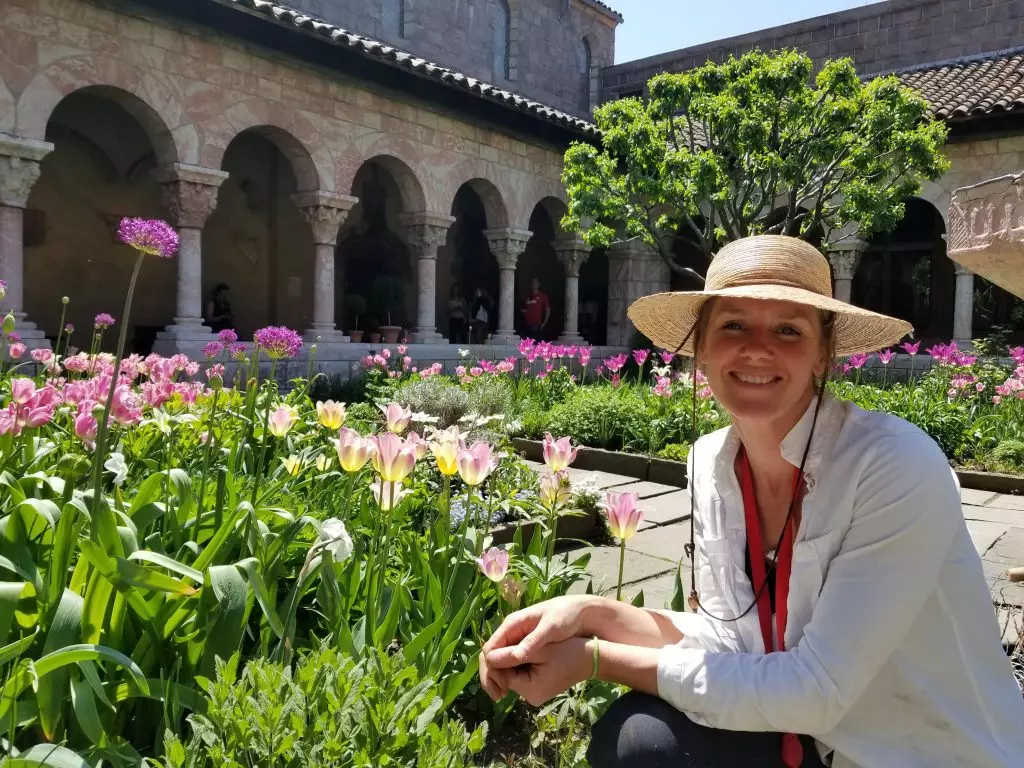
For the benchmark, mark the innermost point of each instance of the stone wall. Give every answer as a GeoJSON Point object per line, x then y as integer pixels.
{"type": "Point", "coordinates": [879, 37]}
{"type": "Point", "coordinates": [545, 56]}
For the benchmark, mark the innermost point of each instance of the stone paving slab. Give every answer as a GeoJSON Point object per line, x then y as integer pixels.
{"type": "Point", "coordinates": [1008, 517]}
{"type": "Point", "coordinates": [604, 569]}
{"type": "Point", "coordinates": [985, 533]}
{"type": "Point", "coordinates": [976, 497]}
{"type": "Point", "coordinates": [1006, 501]}
{"type": "Point", "coordinates": [1006, 552]}
{"type": "Point", "coordinates": [665, 510]}
{"type": "Point", "coordinates": [646, 489]}
{"type": "Point", "coordinates": [664, 542]}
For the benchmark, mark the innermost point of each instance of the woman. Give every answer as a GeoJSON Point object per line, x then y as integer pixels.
{"type": "Point", "coordinates": [836, 530]}
{"type": "Point", "coordinates": [458, 309]}
{"type": "Point", "coordinates": [480, 313]}
{"type": "Point", "coordinates": [218, 309]}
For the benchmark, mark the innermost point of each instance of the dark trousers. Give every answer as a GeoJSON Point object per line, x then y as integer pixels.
{"type": "Point", "coordinates": [641, 730]}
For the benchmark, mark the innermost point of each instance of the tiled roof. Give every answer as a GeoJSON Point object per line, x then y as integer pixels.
{"type": "Point", "coordinates": [606, 8]}
{"type": "Point", "coordinates": [385, 53]}
{"type": "Point", "coordinates": [986, 85]}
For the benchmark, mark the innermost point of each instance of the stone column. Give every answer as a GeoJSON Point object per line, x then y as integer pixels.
{"type": "Point", "coordinates": [325, 212]}
{"type": "Point", "coordinates": [19, 171]}
{"type": "Point", "coordinates": [427, 232]}
{"type": "Point", "coordinates": [572, 253]}
{"type": "Point", "coordinates": [845, 256]}
{"type": "Point", "coordinates": [635, 269]}
{"type": "Point", "coordinates": [963, 305]}
{"type": "Point", "coordinates": [190, 196]}
{"type": "Point", "coordinates": [507, 245]}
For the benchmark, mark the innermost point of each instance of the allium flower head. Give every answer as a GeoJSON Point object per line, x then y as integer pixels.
{"type": "Point", "coordinates": [493, 564]}
{"type": "Point", "coordinates": [237, 351]}
{"type": "Point", "coordinates": [150, 236]}
{"type": "Point", "coordinates": [69, 329]}
{"type": "Point", "coordinates": [227, 336]}
{"type": "Point", "coordinates": [102, 321]}
{"type": "Point", "coordinates": [212, 349]}
{"type": "Point", "coordinates": [279, 342]}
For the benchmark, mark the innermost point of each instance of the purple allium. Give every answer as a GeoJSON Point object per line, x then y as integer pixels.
{"type": "Point", "coordinates": [152, 236]}
{"type": "Point", "coordinates": [69, 329]}
{"type": "Point", "coordinates": [278, 341]}
{"type": "Point", "coordinates": [212, 349]}
{"type": "Point", "coordinates": [102, 321]}
{"type": "Point", "coordinates": [228, 336]}
{"type": "Point", "coordinates": [237, 351]}
{"type": "Point", "coordinates": [14, 338]}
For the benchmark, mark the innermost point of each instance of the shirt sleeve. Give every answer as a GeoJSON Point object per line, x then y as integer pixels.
{"type": "Point", "coordinates": [905, 518]}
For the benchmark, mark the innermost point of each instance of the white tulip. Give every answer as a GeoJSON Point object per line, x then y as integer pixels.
{"type": "Point", "coordinates": [335, 539]}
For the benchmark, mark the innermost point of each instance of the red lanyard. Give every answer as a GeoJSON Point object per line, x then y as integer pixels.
{"type": "Point", "coordinates": [792, 749]}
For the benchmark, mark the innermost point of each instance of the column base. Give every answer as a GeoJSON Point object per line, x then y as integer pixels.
{"type": "Point", "coordinates": [504, 337]}
{"type": "Point", "coordinates": [571, 338]}
{"type": "Point", "coordinates": [427, 336]}
{"type": "Point", "coordinates": [32, 336]}
{"type": "Point", "coordinates": [185, 336]}
{"type": "Point", "coordinates": [327, 335]}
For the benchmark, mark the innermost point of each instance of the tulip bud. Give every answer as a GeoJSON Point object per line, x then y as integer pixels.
{"type": "Point", "coordinates": [9, 323]}
{"type": "Point", "coordinates": [64, 300]}
{"type": "Point", "coordinates": [216, 383]}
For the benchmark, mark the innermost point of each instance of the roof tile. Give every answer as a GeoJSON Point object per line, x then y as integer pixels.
{"type": "Point", "coordinates": [984, 85]}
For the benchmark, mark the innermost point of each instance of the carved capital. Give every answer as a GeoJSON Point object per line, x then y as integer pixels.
{"type": "Point", "coordinates": [189, 193]}
{"type": "Point", "coordinates": [425, 239]}
{"type": "Point", "coordinates": [844, 264]}
{"type": "Point", "coordinates": [326, 213]}
{"type": "Point", "coordinates": [572, 254]}
{"type": "Point", "coordinates": [19, 168]}
{"type": "Point", "coordinates": [507, 245]}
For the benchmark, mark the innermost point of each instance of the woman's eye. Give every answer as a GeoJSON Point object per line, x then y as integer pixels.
{"type": "Point", "coordinates": [789, 330]}
{"type": "Point", "coordinates": [732, 325]}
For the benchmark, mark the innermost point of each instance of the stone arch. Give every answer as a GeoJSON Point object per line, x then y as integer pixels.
{"type": "Point", "coordinates": [549, 195]}
{"type": "Point", "coordinates": [291, 131]}
{"type": "Point", "coordinates": [492, 199]}
{"type": "Point", "coordinates": [131, 88]}
{"type": "Point", "coordinates": [939, 196]}
{"type": "Point", "coordinates": [556, 208]}
{"type": "Point", "coordinates": [8, 109]}
{"type": "Point", "coordinates": [409, 185]}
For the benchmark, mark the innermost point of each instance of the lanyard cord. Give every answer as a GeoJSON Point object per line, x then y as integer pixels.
{"type": "Point", "coordinates": [690, 547]}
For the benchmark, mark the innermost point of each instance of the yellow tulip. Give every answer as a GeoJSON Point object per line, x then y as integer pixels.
{"type": "Point", "coordinates": [331, 414]}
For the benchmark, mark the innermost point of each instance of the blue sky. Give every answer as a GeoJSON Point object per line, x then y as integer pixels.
{"type": "Point", "coordinates": [656, 26]}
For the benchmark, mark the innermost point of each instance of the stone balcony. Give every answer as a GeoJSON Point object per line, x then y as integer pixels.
{"type": "Point", "coordinates": [986, 231]}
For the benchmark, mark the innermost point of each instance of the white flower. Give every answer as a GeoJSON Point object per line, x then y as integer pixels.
{"type": "Point", "coordinates": [335, 539]}
{"type": "Point", "coordinates": [162, 419]}
{"type": "Point", "coordinates": [116, 464]}
{"type": "Point", "coordinates": [425, 418]}
{"type": "Point", "coordinates": [463, 353]}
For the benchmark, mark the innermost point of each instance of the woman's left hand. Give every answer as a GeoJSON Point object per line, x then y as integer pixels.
{"type": "Point", "coordinates": [550, 669]}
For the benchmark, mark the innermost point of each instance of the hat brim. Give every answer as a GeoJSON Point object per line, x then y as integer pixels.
{"type": "Point", "coordinates": [667, 318]}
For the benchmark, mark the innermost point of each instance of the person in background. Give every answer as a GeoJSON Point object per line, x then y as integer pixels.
{"type": "Point", "coordinates": [536, 311]}
{"type": "Point", "coordinates": [458, 311]}
{"type": "Point", "coordinates": [480, 313]}
{"type": "Point", "coordinates": [218, 309]}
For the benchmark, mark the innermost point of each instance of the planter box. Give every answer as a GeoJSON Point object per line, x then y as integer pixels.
{"type": "Point", "coordinates": [567, 527]}
{"type": "Point", "coordinates": [996, 482]}
{"type": "Point", "coordinates": [614, 462]}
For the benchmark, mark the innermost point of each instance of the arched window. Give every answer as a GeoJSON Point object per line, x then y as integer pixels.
{"type": "Point", "coordinates": [502, 41]}
{"type": "Point", "coordinates": [393, 18]}
{"type": "Point", "coordinates": [584, 64]}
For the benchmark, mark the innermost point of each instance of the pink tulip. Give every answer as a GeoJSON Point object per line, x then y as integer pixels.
{"type": "Point", "coordinates": [353, 450]}
{"type": "Point", "coordinates": [85, 427]}
{"type": "Point", "coordinates": [397, 417]}
{"type": "Point", "coordinates": [17, 350]}
{"type": "Point", "coordinates": [475, 463]}
{"type": "Point", "coordinates": [911, 349]}
{"type": "Point", "coordinates": [393, 458]}
{"type": "Point", "coordinates": [388, 495]}
{"type": "Point", "coordinates": [281, 420]}
{"type": "Point", "coordinates": [886, 356]}
{"type": "Point", "coordinates": [22, 389]}
{"type": "Point", "coordinates": [42, 355]}
{"type": "Point", "coordinates": [554, 490]}
{"type": "Point", "coordinates": [623, 514]}
{"type": "Point", "coordinates": [418, 444]}
{"type": "Point", "coordinates": [558, 454]}
{"type": "Point", "coordinates": [640, 356]}
{"type": "Point", "coordinates": [494, 564]}
{"type": "Point", "coordinates": [666, 357]}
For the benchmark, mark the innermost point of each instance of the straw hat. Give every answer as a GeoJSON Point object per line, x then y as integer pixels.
{"type": "Point", "coordinates": [766, 267]}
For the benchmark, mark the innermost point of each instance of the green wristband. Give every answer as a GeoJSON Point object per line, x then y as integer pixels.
{"type": "Point", "coordinates": [597, 657]}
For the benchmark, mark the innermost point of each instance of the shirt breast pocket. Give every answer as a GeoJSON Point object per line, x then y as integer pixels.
{"type": "Point", "coordinates": [811, 558]}
{"type": "Point", "coordinates": [715, 576]}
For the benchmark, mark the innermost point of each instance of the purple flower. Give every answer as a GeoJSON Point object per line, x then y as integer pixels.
{"type": "Point", "coordinates": [640, 356]}
{"type": "Point", "coordinates": [857, 361]}
{"type": "Point", "coordinates": [1017, 353]}
{"type": "Point", "coordinates": [152, 236]}
{"type": "Point", "coordinates": [886, 356]}
{"type": "Point", "coordinates": [278, 341]}
{"type": "Point", "coordinates": [102, 321]}
{"type": "Point", "coordinates": [237, 351]}
{"type": "Point", "coordinates": [69, 329]}
{"type": "Point", "coordinates": [666, 357]}
{"type": "Point", "coordinates": [212, 349]}
{"type": "Point", "coordinates": [615, 362]}
{"type": "Point", "coordinates": [227, 336]}
{"type": "Point", "coordinates": [911, 349]}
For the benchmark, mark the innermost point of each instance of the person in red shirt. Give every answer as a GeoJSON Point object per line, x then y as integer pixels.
{"type": "Point", "coordinates": [536, 311]}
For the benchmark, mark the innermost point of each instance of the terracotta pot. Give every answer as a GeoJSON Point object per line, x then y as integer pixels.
{"type": "Point", "coordinates": [356, 336]}
{"type": "Point", "coordinates": [390, 333]}
{"type": "Point", "coordinates": [374, 338]}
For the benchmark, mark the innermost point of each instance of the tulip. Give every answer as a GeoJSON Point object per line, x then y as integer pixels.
{"type": "Point", "coordinates": [494, 564]}
{"type": "Point", "coordinates": [388, 495]}
{"type": "Point", "coordinates": [353, 449]}
{"type": "Point", "coordinates": [512, 591]}
{"type": "Point", "coordinates": [281, 420]}
{"type": "Point", "coordinates": [331, 414]}
{"type": "Point", "coordinates": [554, 490]}
{"type": "Point", "coordinates": [558, 454]}
{"type": "Point", "coordinates": [22, 390]}
{"type": "Point", "coordinates": [17, 350]}
{"type": "Point", "coordinates": [323, 462]}
{"type": "Point", "coordinates": [475, 463]}
{"type": "Point", "coordinates": [445, 447]}
{"type": "Point", "coordinates": [393, 458]}
{"type": "Point", "coordinates": [335, 539]}
{"type": "Point", "coordinates": [623, 518]}
{"type": "Point", "coordinates": [418, 444]}
{"type": "Point", "coordinates": [85, 427]}
{"type": "Point", "coordinates": [396, 417]}
{"type": "Point", "coordinates": [292, 465]}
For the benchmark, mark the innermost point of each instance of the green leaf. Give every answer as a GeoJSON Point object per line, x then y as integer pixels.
{"type": "Point", "coordinates": [250, 567]}
{"type": "Point", "coordinates": [167, 562]}
{"type": "Point", "coordinates": [10, 596]}
{"type": "Point", "coordinates": [181, 486]}
{"type": "Point", "coordinates": [83, 704]}
{"type": "Point", "coordinates": [65, 630]}
{"type": "Point", "coordinates": [148, 492]}
{"type": "Point", "coordinates": [46, 755]}
{"type": "Point", "coordinates": [638, 599]}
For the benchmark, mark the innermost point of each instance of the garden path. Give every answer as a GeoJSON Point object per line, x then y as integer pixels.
{"type": "Point", "coordinates": [995, 522]}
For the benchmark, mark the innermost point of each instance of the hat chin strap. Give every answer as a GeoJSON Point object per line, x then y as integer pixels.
{"type": "Point", "coordinates": [689, 548]}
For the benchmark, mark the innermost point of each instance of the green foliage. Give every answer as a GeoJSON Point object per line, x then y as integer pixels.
{"type": "Point", "coordinates": [1010, 454]}
{"type": "Point", "coordinates": [333, 712]}
{"type": "Point", "coordinates": [436, 396]}
{"type": "Point", "coordinates": [675, 452]}
{"type": "Point", "coordinates": [714, 149]}
{"type": "Point", "coordinates": [602, 417]}
{"type": "Point", "coordinates": [490, 395]}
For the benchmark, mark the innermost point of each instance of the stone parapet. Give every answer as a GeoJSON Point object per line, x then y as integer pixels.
{"type": "Point", "coordinates": [986, 231]}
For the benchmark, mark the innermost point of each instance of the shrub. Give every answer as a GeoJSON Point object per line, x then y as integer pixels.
{"type": "Point", "coordinates": [603, 417]}
{"type": "Point", "coordinates": [675, 452]}
{"type": "Point", "coordinates": [490, 395]}
{"type": "Point", "coordinates": [331, 713]}
{"type": "Point", "coordinates": [435, 396]}
{"type": "Point", "coordinates": [1010, 454]}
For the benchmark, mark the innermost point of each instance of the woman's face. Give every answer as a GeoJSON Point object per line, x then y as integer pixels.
{"type": "Point", "coordinates": [761, 357]}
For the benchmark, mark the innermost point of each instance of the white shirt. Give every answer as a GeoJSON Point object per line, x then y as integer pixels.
{"type": "Point", "coordinates": [893, 656]}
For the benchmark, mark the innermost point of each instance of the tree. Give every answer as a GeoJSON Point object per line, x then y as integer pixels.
{"type": "Point", "coordinates": [752, 146]}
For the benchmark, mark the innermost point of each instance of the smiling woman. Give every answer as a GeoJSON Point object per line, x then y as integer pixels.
{"type": "Point", "coordinates": [842, 616]}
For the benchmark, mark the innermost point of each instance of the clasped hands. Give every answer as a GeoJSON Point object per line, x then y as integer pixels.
{"type": "Point", "coordinates": [537, 652]}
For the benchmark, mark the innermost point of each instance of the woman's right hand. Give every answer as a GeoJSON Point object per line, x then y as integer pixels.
{"type": "Point", "coordinates": [523, 633]}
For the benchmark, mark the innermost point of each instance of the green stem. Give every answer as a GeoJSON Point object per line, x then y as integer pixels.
{"type": "Point", "coordinates": [60, 328]}
{"type": "Point", "coordinates": [263, 438]}
{"type": "Point", "coordinates": [622, 562]}
{"type": "Point", "coordinates": [210, 440]}
{"type": "Point", "coordinates": [101, 429]}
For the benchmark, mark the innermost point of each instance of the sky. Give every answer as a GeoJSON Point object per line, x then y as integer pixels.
{"type": "Point", "coordinates": [657, 26]}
